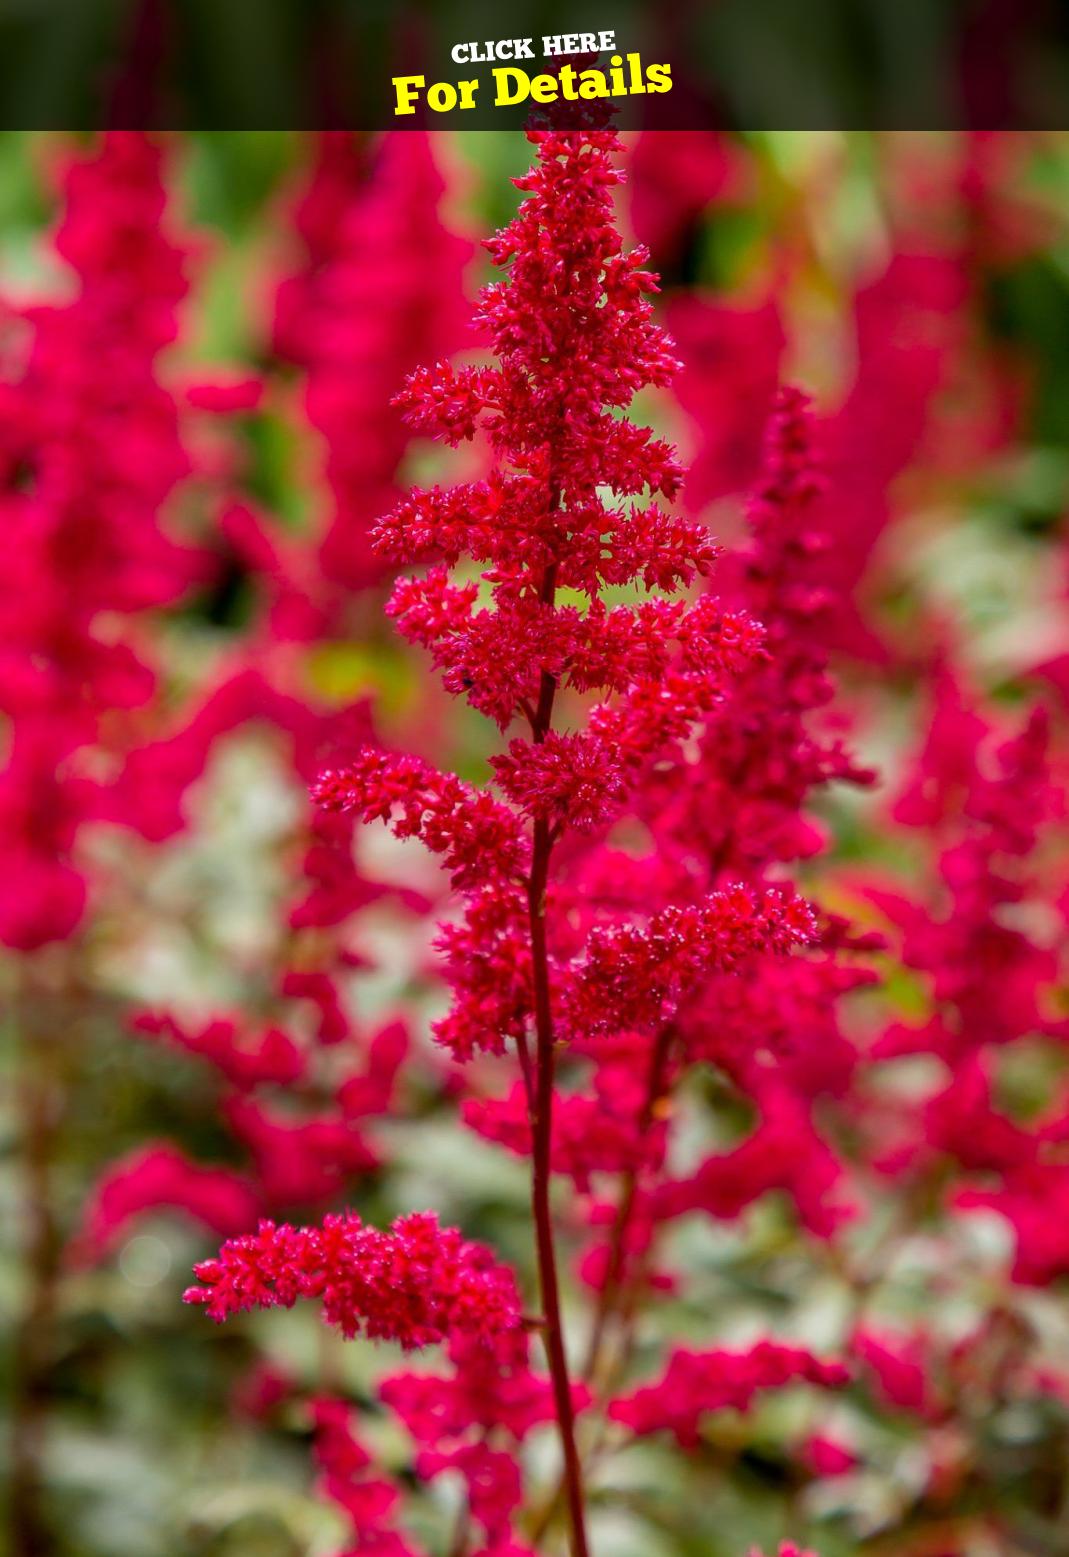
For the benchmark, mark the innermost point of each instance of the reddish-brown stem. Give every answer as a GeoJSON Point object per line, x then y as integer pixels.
{"type": "Point", "coordinates": [542, 1126]}
{"type": "Point", "coordinates": [540, 1203]}
{"type": "Point", "coordinates": [527, 1069]}
{"type": "Point", "coordinates": [613, 1287]}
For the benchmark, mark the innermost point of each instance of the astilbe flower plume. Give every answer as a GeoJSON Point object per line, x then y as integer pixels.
{"type": "Point", "coordinates": [573, 336]}
{"type": "Point", "coordinates": [90, 453]}
{"type": "Point", "coordinates": [296, 1155]}
{"type": "Point", "coordinates": [595, 700]}
{"type": "Point", "coordinates": [381, 283]}
{"type": "Point", "coordinates": [93, 454]}
{"type": "Point", "coordinates": [734, 803]}
{"type": "Point", "coordinates": [765, 753]}
{"type": "Point", "coordinates": [979, 934]}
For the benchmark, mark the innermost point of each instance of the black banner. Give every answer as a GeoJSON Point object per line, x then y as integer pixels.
{"type": "Point", "coordinates": [467, 64]}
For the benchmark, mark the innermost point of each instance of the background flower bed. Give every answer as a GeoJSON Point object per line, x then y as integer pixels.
{"type": "Point", "coordinates": [230, 371]}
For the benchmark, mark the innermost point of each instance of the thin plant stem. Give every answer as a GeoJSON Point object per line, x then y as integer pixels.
{"type": "Point", "coordinates": [542, 1131]}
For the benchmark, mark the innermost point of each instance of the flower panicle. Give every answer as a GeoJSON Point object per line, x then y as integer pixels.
{"type": "Point", "coordinates": [416, 1283]}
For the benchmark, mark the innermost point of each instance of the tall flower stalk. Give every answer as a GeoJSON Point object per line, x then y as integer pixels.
{"type": "Point", "coordinates": [573, 339]}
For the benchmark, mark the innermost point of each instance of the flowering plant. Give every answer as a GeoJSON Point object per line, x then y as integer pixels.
{"type": "Point", "coordinates": [664, 1110]}
{"type": "Point", "coordinates": [552, 962]}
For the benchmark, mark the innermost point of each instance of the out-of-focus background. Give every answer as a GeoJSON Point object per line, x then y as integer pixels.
{"type": "Point", "coordinates": [917, 284]}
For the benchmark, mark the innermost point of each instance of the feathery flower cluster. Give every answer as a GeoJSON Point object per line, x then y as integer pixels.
{"type": "Point", "coordinates": [90, 453]}
{"type": "Point", "coordinates": [573, 338]}
{"type": "Point", "coordinates": [989, 799]}
{"type": "Point", "coordinates": [382, 284]}
{"type": "Point", "coordinates": [416, 1283]}
{"type": "Point", "coordinates": [159, 1177]}
{"type": "Point", "coordinates": [763, 755]}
